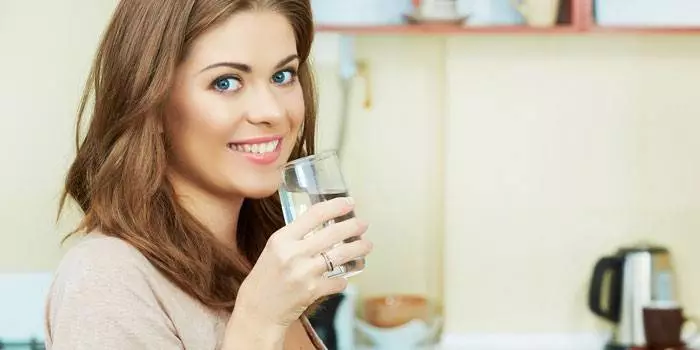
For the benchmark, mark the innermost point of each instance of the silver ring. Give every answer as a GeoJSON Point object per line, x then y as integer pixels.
{"type": "Point", "coordinates": [329, 262]}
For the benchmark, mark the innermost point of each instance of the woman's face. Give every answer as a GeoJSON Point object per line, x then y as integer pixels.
{"type": "Point", "coordinates": [236, 107]}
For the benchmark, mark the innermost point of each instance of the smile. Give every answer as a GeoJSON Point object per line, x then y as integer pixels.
{"type": "Point", "coordinates": [260, 151]}
{"type": "Point", "coordinates": [255, 148]}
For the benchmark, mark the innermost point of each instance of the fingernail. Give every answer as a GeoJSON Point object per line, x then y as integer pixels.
{"type": "Point", "coordinates": [350, 200]}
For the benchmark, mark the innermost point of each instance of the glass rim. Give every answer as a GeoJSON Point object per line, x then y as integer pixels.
{"type": "Point", "coordinates": [316, 156]}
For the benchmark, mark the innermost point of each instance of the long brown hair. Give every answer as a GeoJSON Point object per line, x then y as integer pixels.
{"type": "Point", "coordinates": [118, 176]}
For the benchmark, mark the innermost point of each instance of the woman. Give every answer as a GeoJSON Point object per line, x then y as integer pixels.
{"type": "Point", "coordinates": [197, 104]}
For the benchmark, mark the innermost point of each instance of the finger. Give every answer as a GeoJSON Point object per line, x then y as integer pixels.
{"type": "Point", "coordinates": [329, 286]}
{"type": "Point", "coordinates": [333, 234]}
{"type": "Point", "coordinates": [343, 254]}
{"type": "Point", "coordinates": [318, 214]}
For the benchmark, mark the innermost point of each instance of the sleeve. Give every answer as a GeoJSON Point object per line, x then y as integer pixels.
{"type": "Point", "coordinates": [101, 299]}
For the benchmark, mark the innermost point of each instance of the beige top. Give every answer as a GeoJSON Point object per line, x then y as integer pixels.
{"type": "Point", "coordinates": [107, 295]}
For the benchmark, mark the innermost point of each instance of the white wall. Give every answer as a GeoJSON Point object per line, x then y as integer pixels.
{"type": "Point", "coordinates": [46, 51]}
{"type": "Point", "coordinates": [557, 150]}
{"type": "Point", "coordinates": [560, 149]}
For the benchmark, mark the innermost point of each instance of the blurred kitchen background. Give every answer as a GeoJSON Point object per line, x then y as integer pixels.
{"type": "Point", "coordinates": [499, 149]}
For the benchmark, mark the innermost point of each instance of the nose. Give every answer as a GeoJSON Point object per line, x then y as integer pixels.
{"type": "Point", "coordinates": [264, 107]}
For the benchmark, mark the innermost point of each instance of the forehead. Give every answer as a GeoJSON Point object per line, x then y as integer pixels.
{"type": "Point", "coordinates": [257, 38]}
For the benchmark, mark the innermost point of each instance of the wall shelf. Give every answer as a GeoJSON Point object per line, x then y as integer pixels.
{"type": "Point", "coordinates": [430, 29]}
{"type": "Point", "coordinates": [409, 29]}
{"type": "Point", "coordinates": [646, 30]}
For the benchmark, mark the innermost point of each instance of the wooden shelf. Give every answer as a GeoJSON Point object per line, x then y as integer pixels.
{"type": "Point", "coordinates": [430, 29]}
{"type": "Point", "coordinates": [410, 29]}
{"type": "Point", "coordinates": [646, 30]}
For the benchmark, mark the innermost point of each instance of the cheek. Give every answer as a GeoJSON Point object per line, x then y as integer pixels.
{"type": "Point", "coordinates": [296, 108]}
{"type": "Point", "coordinates": [198, 123]}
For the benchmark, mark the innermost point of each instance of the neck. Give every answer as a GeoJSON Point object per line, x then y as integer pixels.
{"type": "Point", "coordinates": [218, 213]}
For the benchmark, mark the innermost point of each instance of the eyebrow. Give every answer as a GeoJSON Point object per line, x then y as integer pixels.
{"type": "Point", "coordinates": [246, 68]}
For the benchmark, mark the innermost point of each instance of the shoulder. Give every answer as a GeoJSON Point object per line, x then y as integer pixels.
{"type": "Point", "coordinates": [104, 253]}
{"type": "Point", "coordinates": [99, 263]}
{"type": "Point", "coordinates": [104, 286]}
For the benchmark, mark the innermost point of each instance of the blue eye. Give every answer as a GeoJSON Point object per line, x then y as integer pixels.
{"type": "Point", "coordinates": [283, 77]}
{"type": "Point", "coordinates": [224, 84]}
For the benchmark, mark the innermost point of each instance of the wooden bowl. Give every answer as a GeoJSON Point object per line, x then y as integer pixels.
{"type": "Point", "coordinates": [395, 310]}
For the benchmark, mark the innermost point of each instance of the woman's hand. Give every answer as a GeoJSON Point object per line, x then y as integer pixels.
{"type": "Point", "coordinates": [289, 275]}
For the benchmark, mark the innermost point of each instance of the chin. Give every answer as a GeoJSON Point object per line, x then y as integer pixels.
{"type": "Point", "coordinates": [259, 191]}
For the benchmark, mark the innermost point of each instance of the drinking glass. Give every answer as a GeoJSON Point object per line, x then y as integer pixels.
{"type": "Point", "coordinates": [314, 179]}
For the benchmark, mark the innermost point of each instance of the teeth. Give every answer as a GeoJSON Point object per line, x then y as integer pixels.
{"type": "Point", "coordinates": [258, 148]}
